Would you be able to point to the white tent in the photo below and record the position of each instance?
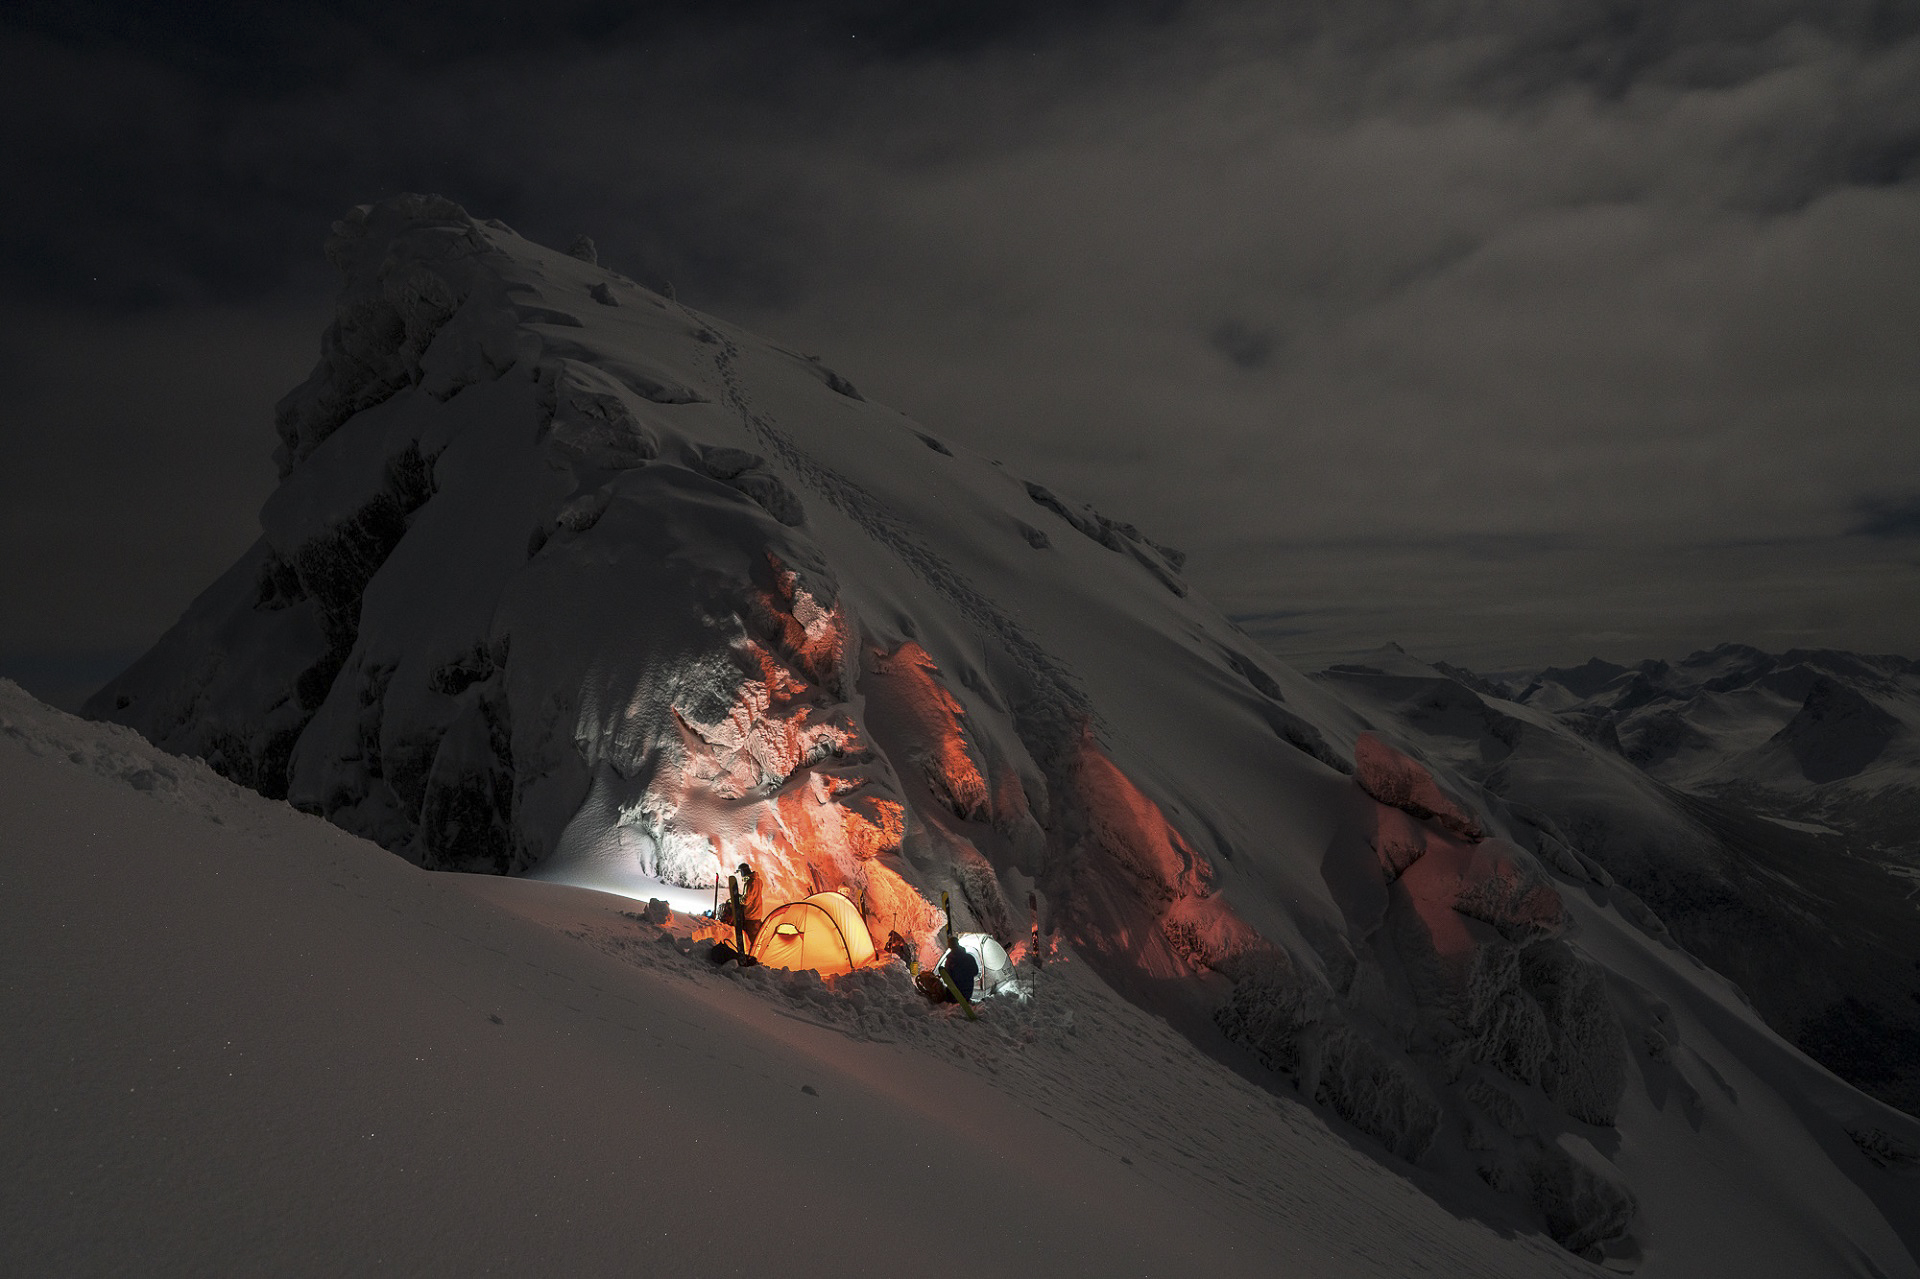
(996, 969)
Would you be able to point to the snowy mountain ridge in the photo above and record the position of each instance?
(1798, 888)
(1817, 728)
(564, 579)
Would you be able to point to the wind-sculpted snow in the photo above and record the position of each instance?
(567, 581)
(378, 345)
(1163, 562)
(1131, 888)
(1294, 1025)
(1461, 994)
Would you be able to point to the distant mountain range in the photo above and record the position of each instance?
(1766, 807)
(1811, 733)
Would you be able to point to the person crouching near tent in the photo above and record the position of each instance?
(960, 968)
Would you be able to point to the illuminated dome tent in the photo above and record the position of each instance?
(823, 932)
(996, 966)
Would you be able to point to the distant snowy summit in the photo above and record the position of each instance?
(563, 578)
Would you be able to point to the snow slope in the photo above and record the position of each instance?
(242, 1041)
(246, 1041)
(568, 581)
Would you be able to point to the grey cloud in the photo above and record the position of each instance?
(1620, 604)
(1243, 344)
(1489, 324)
(135, 458)
(1897, 518)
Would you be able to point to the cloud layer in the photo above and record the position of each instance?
(1511, 332)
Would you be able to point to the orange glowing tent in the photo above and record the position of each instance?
(823, 932)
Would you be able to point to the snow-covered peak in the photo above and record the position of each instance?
(565, 579)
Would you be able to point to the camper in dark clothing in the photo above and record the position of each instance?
(752, 908)
(962, 969)
(751, 902)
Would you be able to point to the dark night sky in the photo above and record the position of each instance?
(1514, 332)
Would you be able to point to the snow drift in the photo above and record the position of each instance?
(565, 579)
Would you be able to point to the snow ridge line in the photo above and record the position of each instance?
(872, 515)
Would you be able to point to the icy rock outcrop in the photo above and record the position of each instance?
(417, 670)
(400, 292)
(978, 884)
(747, 472)
(1130, 885)
(1396, 779)
(933, 723)
(1482, 934)
(1540, 1015)
(1466, 1007)
(595, 423)
(734, 741)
